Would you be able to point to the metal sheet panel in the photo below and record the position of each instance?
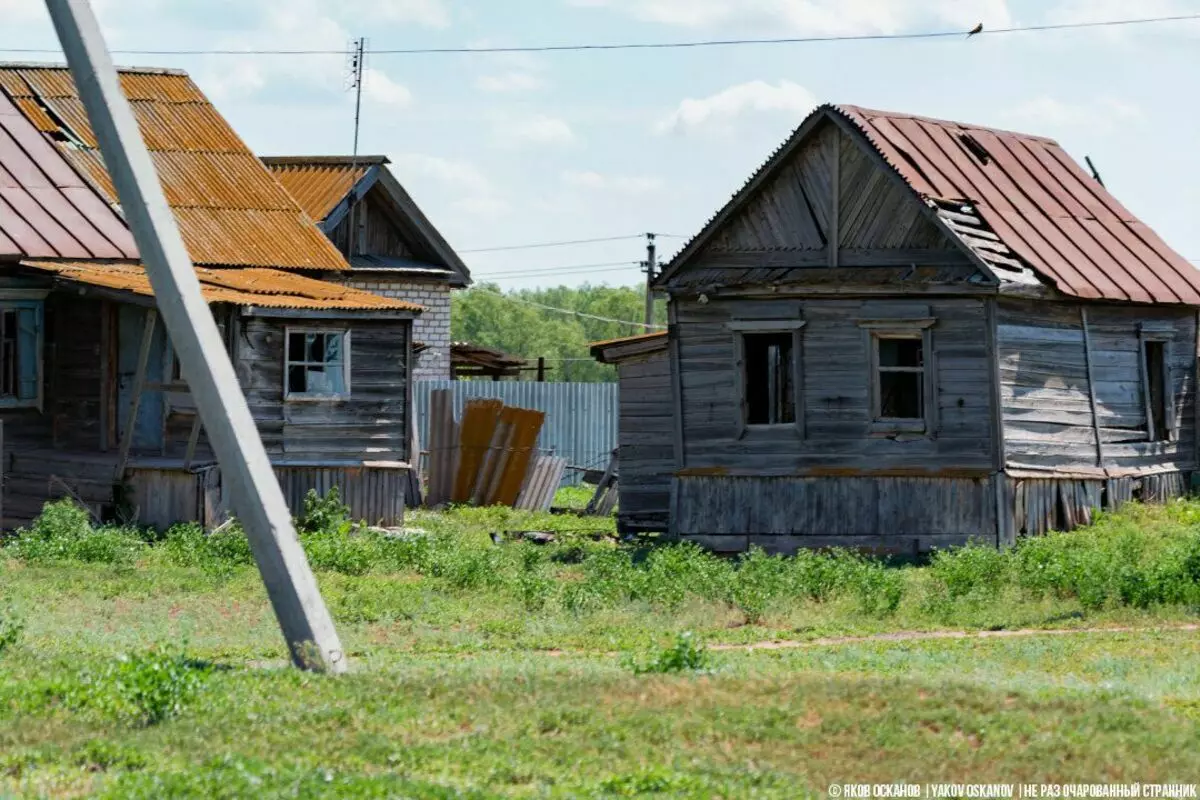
(319, 184)
(581, 418)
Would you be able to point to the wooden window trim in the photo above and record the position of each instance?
(915, 328)
(1162, 334)
(740, 328)
(28, 299)
(298, 397)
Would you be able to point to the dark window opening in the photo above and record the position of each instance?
(770, 382)
(9, 353)
(1154, 354)
(901, 378)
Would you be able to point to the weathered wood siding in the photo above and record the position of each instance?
(377, 230)
(373, 494)
(836, 379)
(646, 445)
(1047, 397)
(370, 425)
(784, 514)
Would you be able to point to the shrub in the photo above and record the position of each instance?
(146, 688)
(326, 514)
(973, 569)
(759, 580)
(188, 545)
(64, 532)
(684, 655)
(878, 588)
(533, 586)
(11, 628)
(672, 573)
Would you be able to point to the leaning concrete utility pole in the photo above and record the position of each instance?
(257, 499)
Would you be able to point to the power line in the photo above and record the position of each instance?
(865, 37)
(572, 312)
(539, 245)
(571, 270)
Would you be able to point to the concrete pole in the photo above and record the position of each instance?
(255, 492)
(650, 265)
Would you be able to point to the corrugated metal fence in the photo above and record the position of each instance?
(581, 418)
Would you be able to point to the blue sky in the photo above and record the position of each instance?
(516, 149)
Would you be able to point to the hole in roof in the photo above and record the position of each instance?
(975, 148)
(912, 162)
(63, 133)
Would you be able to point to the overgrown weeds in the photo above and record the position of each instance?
(11, 627)
(685, 654)
(144, 688)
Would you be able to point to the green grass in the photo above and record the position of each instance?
(133, 665)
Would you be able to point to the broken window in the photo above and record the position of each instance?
(20, 353)
(769, 378)
(317, 364)
(901, 378)
(1156, 390)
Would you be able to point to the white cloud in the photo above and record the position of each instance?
(622, 184)
(511, 81)
(1084, 11)
(379, 88)
(430, 13)
(464, 186)
(813, 17)
(722, 108)
(534, 129)
(1046, 113)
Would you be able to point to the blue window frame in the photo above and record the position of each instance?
(21, 333)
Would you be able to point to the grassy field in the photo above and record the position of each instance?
(141, 666)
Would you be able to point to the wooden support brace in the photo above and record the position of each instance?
(193, 440)
(139, 385)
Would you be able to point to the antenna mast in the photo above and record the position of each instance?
(357, 66)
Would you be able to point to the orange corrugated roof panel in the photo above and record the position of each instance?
(231, 210)
(319, 184)
(268, 288)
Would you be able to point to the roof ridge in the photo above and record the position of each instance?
(59, 66)
(850, 111)
(286, 161)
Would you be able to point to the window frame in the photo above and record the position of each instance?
(30, 300)
(1159, 334)
(912, 329)
(740, 328)
(308, 397)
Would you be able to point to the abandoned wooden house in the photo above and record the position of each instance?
(93, 403)
(905, 333)
(393, 248)
(645, 453)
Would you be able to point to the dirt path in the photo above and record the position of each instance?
(913, 636)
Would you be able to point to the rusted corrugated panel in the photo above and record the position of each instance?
(231, 210)
(1043, 206)
(318, 185)
(46, 209)
(249, 287)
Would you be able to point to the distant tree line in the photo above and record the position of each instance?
(510, 321)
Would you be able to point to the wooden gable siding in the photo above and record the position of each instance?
(830, 190)
(380, 235)
(371, 425)
(835, 377)
(1047, 395)
(646, 451)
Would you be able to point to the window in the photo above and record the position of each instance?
(20, 353)
(901, 361)
(770, 383)
(767, 378)
(317, 364)
(1156, 390)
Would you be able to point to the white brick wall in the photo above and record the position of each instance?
(431, 328)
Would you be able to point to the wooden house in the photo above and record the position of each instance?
(905, 333)
(645, 427)
(393, 248)
(92, 400)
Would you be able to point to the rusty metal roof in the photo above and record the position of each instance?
(611, 351)
(231, 210)
(46, 209)
(1014, 200)
(267, 288)
(319, 183)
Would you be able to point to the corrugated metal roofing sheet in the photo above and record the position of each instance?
(1041, 206)
(268, 288)
(46, 209)
(230, 208)
(320, 183)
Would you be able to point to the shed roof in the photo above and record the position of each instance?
(614, 351)
(46, 209)
(1036, 200)
(230, 209)
(323, 186)
(267, 288)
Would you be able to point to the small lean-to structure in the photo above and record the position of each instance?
(92, 400)
(906, 333)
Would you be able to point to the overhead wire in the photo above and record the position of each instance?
(577, 269)
(572, 312)
(565, 243)
(703, 43)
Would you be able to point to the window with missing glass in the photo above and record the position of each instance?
(770, 379)
(317, 364)
(21, 338)
(1157, 397)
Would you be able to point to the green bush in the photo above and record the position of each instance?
(758, 582)
(11, 628)
(188, 545)
(145, 688)
(685, 654)
(64, 532)
(324, 515)
(973, 569)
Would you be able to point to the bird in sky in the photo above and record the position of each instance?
(977, 29)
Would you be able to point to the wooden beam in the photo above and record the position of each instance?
(835, 235)
(1087, 358)
(106, 332)
(330, 313)
(193, 440)
(139, 385)
(997, 405)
